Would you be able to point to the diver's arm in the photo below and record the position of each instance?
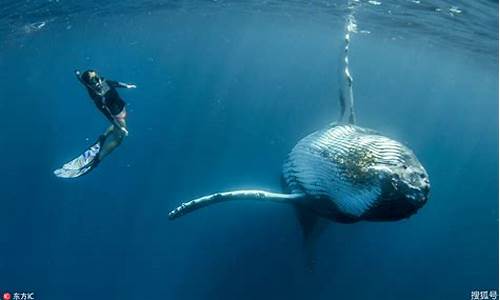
(117, 84)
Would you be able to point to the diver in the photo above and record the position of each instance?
(106, 98)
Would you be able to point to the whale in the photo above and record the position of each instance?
(343, 173)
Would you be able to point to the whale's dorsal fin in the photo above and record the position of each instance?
(195, 204)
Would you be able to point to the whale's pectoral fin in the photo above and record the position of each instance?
(342, 102)
(346, 96)
(195, 204)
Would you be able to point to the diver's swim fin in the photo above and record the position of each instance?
(81, 165)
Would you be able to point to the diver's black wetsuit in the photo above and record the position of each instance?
(108, 97)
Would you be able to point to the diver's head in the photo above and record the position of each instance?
(91, 78)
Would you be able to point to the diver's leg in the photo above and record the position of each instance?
(108, 131)
(112, 138)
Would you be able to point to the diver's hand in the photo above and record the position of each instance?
(130, 86)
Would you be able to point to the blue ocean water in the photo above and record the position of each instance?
(225, 89)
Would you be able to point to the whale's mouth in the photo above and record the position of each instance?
(418, 195)
(391, 210)
(399, 199)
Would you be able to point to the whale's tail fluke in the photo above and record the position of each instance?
(195, 204)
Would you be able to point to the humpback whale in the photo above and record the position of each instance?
(344, 173)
